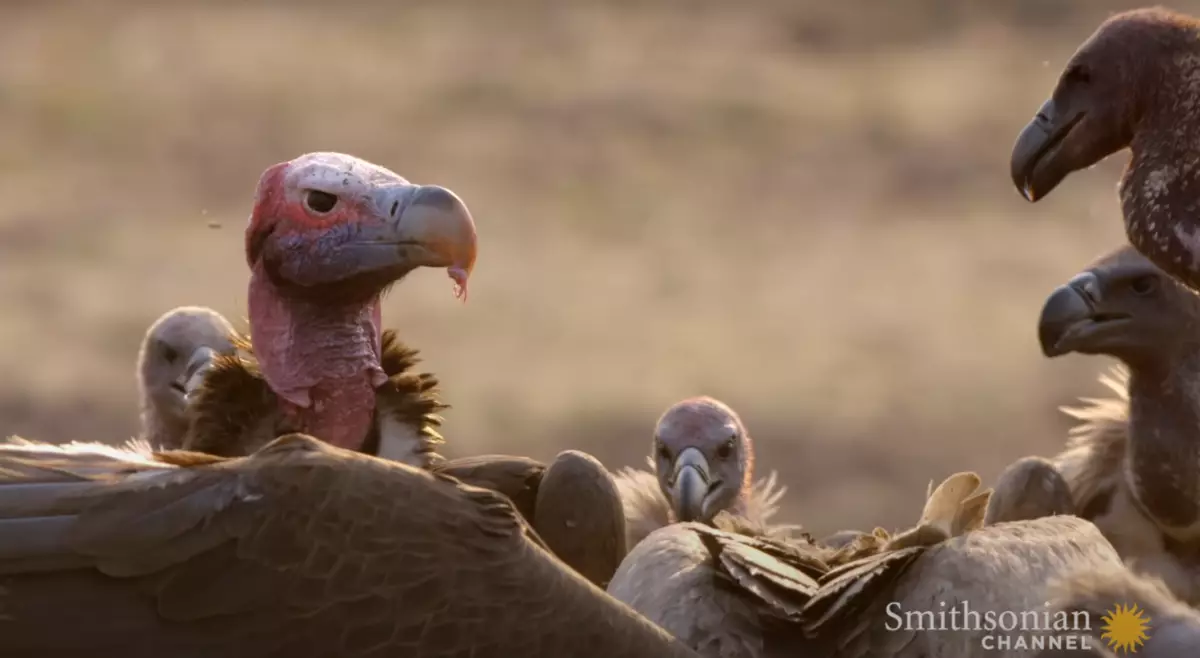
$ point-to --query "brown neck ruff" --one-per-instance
(322, 360)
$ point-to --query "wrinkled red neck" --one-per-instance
(322, 360)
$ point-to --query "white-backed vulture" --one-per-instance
(169, 344)
(702, 463)
(300, 550)
(727, 594)
(1131, 84)
(1133, 463)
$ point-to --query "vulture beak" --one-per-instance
(438, 231)
(1037, 166)
(193, 375)
(1071, 318)
(690, 485)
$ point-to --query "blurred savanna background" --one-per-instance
(801, 207)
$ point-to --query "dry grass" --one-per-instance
(800, 207)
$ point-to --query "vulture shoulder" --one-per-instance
(234, 411)
(301, 549)
(573, 504)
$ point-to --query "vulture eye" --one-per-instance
(1144, 285)
(663, 452)
(726, 449)
(319, 202)
(1078, 74)
(169, 353)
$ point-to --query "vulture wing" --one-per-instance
(299, 550)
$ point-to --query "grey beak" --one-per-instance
(690, 482)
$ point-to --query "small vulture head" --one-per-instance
(703, 458)
(1111, 88)
(333, 226)
(169, 345)
(1122, 306)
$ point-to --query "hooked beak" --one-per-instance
(690, 485)
(1036, 166)
(193, 375)
(404, 227)
(1070, 321)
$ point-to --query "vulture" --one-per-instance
(1132, 462)
(328, 234)
(170, 344)
(702, 462)
(728, 594)
(1131, 84)
(302, 549)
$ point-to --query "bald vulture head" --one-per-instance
(703, 459)
(171, 342)
(1131, 84)
(1125, 307)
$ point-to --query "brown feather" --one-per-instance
(300, 550)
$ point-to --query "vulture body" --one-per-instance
(728, 594)
(1132, 463)
(1131, 84)
(1030, 488)
(302, 549)
(701, 464)
(170, 344)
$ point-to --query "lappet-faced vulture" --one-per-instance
(171, 342)
(328, 234)
(702, 462)
(728, 594)
(300, 550)
(1132, 464)
(1131, 84)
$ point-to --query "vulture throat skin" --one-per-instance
(1125, 307)
(1135, 83)
(328, 234)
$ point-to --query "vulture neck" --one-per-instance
(321, 359)
(1164, 442)
(160, 430)
(1160, 190)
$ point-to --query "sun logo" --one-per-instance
(1125, 628)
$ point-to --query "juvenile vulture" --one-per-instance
(1132, 84)
(702, 462)
(328, 234)
(171, 342)
(727, 594)
(1132, 464)
(300, 550)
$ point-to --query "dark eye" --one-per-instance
(1078, 74)
(1144, 285)
(319, 202)
(726, 449)
(663, 452)
(169, 353)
